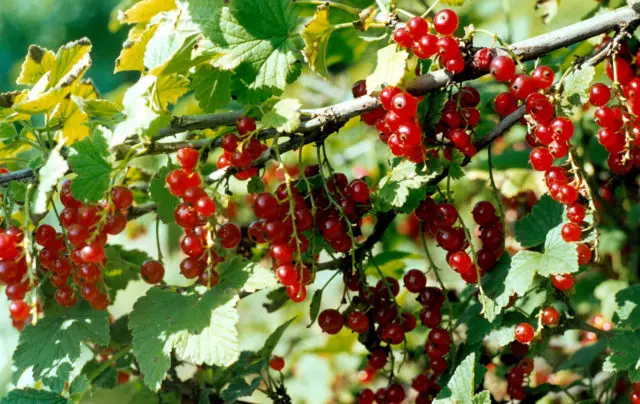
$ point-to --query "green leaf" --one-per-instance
(273, 339)
(32, 396)
(559, 256)
(106, 379)
(403, 187)
(89, 160)
(7, 130)
(461, 385)
(255, 185)
(316, 34)
(625, 355)
(532, 229)
(53, 344)
(519, 278)
(212, 87)
(162, 46)
(165, 202)
(583, 358)
(239, 388)
(162, 319)
(484, 397)
(574, 90)
(17, 191)
(277, 298)
(390, 68)
(122, 266)
(628, 312)
(314, 308)
(503, 336)
(97, 108)
(431, 107)
(256, 40)
(284, 117)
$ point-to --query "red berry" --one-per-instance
(229, 235)
(562, 281)
(65, 296)
(245, 124)
(599, 94)
(541, 159)
(522, 86)
(330, 321)
(483, 212)
(503, 68)
(584, 254)
(358, 322)
(402, 37)
(377, 358)
(404, 105)
(276, 363)
(460, 261)
(19, 310)
(205, 206)
(152, 271)
(188, 158)
(386, 95)
(483, 58)
(562, 129)
(576, 213)
(394, 394)
(366, 396)
(543, 77)
(417, 27)
(524, 333)
(192, 245)
(451, 239)
(191, 267)
(445, 22)
(431, 317)
(415, 280)
(45, 235)
(571, 232)
(358, 191)
(550, 316)
(505, 104)
(359, 88)
(296, 293)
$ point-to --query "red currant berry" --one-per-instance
(245, 124)
(541, 159)
(276, 363)
(445, 22)
(562, 281)
(229, 235)
(415, 281)
(571, 232)
(503, 68)
(524, 333)
(550, 316)
(543, 77)
(330, 321)
(188, 158)
(599, 94)
(152, 271)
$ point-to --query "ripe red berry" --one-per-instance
(152, 271)
(358, 322)
(417, 27)
(562, 129)
(571, 232)
(19, 310)
(395, 394)
(188, 158)
(205, 206)
(358, 191)
(445, 22)
(524, 333)
(404, 105)
(431, 317)
(584, 254)
(45, 235)
(460, 261)
(599, 94)
(562, 281)
(541, 159)
(65, 296)
(503, 68)
(386, 95)
(245, 124)
(229, 235)
(359, 88)
(483, 58)
(550, 316)
(505, 104)
(330, 321)
(543, 77)
(576, 213)
(484, 212)
(402, 37)
(415, 280)
(276, 363)
(377, 358)
(522, 86)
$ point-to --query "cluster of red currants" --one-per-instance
(238, 153)
(515, 378)
(13, 274)
(86, 230)
(416, 37)
(193, 215)
(619, 132)
(392, 327)
(286, 222)
(459, 117)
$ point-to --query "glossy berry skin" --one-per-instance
(571, 232)
(417, 27)
(562, 129)
(122, 197)
(377, 358)
(358, 191)
(415, 281)
(483, 212)
(550, 316)
(359, 88)
(460, 261)
(562, 282)
(543, 77)
(402, 37)
(505, 104)
(187, 158)
(404, 105)
(19, 310)
(503, 68)
(152, 271)
(358, 322)
(524, 333)
(599, 94)
(245, 124)
(276, 363)
(584, 254)
(445, 22)
(395, 394)
(386, 95)
(366, 396)
(229, 235)
(541, 159)
(330, 321)
(576, 213)
(522, 86)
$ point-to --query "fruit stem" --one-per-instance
(496, 191)
(430, 9)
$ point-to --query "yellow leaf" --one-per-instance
(145, 10)
(316, 35)
(168, 89)
(389, 70)
(74, 121)
(40, 100)
(72, 60)
(7, 101)
(132, 54)
(37, 63)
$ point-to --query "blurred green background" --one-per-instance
(332, 362)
